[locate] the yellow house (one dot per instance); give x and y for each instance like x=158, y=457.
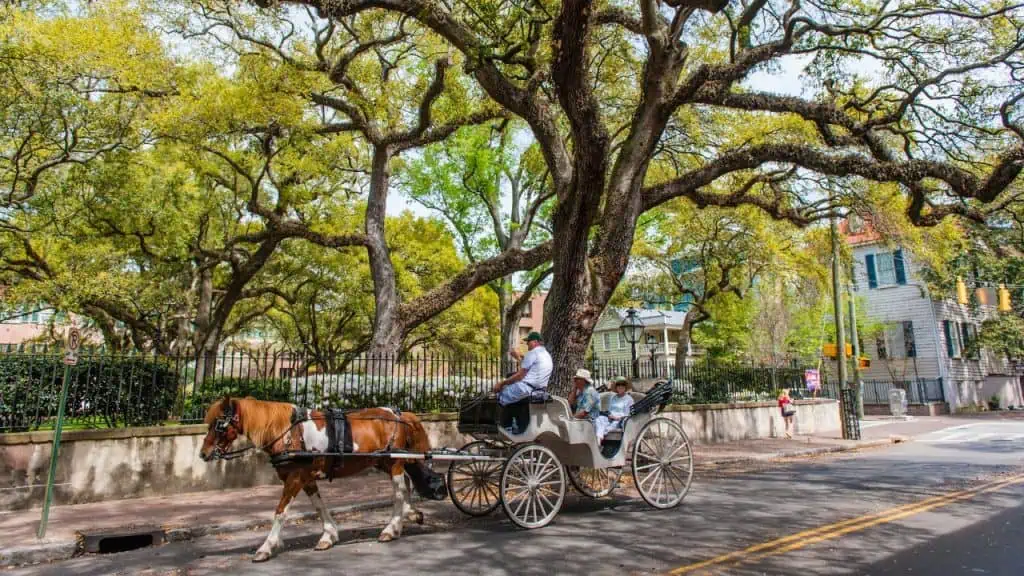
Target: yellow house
x=663, y=325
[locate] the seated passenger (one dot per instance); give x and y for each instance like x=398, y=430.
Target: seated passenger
x=514, y=392
x=584, y=401
x=618, y=409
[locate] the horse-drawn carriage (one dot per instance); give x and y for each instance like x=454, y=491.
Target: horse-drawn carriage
x=526, y=473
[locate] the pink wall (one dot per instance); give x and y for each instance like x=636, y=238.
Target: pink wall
x=535, y=320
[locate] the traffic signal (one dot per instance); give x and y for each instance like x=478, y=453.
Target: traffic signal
x=1004, y=299
x=961, y=291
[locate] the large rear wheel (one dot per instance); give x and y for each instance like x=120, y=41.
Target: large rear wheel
x=594, y=482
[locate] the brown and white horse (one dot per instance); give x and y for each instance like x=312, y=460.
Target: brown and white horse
x=271, y=427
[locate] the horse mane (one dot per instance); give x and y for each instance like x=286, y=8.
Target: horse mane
x=261, y=421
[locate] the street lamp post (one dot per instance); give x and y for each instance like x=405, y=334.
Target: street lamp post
x=652, y=345
x=632, y=329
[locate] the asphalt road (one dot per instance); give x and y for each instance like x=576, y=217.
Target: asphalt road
x=948, y=503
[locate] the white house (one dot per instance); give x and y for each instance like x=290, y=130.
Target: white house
x=926, y=335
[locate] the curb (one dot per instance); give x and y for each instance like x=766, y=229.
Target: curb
x=65, y=549
x=806, y=452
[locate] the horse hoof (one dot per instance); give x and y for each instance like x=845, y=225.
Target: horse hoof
x=324, y=545
x=417, y=517
x=261, y=556
x=385, y=537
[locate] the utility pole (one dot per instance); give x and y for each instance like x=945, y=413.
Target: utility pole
x=838, y=308
x=858, y=384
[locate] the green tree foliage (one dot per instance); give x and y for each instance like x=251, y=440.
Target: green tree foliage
x=470, y=179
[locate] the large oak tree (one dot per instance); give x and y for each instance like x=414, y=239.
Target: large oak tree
x=624, y=98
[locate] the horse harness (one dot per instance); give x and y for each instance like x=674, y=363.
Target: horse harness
x=339, y=433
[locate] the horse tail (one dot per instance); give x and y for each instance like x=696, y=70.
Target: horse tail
x=428, y=484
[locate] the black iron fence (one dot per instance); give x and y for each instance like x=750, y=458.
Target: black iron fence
x=876, y=392
x=117, y=390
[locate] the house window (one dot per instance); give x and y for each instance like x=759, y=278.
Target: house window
x=528, y=310
x=622, y=340
x=286, y=373
x=607, y=337
x=897, y=341
x=35, y=317
x=968, y=336
x=885, y=269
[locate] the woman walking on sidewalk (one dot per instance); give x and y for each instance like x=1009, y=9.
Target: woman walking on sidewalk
x=788, y=411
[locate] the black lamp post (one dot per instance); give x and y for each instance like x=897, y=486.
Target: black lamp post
x=652, y=345
x=632, y=329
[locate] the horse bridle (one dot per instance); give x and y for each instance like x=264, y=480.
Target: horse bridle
x=228, y=419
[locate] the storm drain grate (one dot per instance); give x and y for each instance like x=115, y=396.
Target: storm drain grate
x=123, y=540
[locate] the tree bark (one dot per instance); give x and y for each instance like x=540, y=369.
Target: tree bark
x=388, y=330
x=685, y=336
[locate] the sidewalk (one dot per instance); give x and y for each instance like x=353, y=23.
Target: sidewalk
x=183, y=516
x=196, y=514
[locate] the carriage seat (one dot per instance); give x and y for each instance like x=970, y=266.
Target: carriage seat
x=606, y=398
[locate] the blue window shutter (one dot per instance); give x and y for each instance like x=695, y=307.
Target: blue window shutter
x=947, y=327
x=901, y=271
x=869, y=263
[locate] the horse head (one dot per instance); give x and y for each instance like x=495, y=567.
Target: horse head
x=224, y=424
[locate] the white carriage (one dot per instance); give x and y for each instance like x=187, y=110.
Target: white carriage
x=527, y=473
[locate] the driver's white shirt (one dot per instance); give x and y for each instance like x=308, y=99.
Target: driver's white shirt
x=538, y=365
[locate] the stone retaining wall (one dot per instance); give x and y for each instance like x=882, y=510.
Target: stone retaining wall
x=98, y=465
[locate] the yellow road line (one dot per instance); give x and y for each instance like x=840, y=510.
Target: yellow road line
x=829, y=531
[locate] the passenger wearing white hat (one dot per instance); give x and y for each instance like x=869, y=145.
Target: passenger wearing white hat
x=584, y=399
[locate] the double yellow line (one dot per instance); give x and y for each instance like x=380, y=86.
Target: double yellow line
x=830, y=531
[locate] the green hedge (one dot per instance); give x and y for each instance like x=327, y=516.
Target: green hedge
x=103, y=392
x=203, y=395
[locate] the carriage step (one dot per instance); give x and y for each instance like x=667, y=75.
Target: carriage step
x=121, y=540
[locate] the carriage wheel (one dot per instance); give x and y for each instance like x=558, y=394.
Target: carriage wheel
x=594, y=482
x=662, y=463
x=475, y=486
x=532, y=486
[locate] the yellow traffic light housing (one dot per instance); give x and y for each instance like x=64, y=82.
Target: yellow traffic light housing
x=829, y=350
x=961, y=291
x=1004, y=299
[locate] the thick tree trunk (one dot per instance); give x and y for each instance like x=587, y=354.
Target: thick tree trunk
x=388, y=331
x=508, y=327
x=685, y=335
x=569, y=320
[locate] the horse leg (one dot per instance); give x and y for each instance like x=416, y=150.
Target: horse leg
x=394, y=528
x=292, y=485
x=411, y=513
x=330, y=534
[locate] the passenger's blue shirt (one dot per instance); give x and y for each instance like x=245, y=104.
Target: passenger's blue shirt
x=588, y=401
